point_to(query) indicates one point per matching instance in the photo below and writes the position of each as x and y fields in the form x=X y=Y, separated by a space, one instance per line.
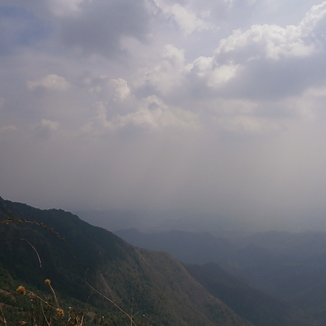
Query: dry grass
x=49 y=312
x=44 y=311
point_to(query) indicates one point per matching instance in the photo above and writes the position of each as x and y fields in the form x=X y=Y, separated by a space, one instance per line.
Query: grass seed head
x=21 y=290
x=32 y=295
x=60 y=312
x=22 y=323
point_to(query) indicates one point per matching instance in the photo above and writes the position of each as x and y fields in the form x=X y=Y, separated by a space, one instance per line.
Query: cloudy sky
x=202 y=106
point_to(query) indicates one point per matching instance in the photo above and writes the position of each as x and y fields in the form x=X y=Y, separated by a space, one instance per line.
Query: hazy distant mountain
x=188 y=247
x=169 y=220
x=246 y=301
x=286 y=266
x=134 y=278
x=174 y=220
x=114 y=219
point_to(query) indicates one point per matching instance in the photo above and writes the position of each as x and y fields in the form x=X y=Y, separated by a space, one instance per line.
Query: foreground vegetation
x=151 y=287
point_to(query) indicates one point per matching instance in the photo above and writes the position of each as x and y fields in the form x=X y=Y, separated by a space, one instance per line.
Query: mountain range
x=162 y=278
x=72 y=253
x=287 y=267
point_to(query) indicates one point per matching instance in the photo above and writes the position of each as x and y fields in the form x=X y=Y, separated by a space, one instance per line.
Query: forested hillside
x=279 y=270
x=152 y=285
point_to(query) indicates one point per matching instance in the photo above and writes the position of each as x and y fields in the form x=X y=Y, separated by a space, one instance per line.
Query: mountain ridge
x=289 y=267
x=135 y=278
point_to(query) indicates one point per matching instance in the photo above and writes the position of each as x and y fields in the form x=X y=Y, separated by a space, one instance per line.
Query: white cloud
x=174 y=56
x=64 y=7
x=318 y=92
x=248 y=124
x=117 y=88
x=186 y=18
x=239 y=62
x=272 y=41
x=145 y=86
x=200 y=65
x=215 y=76
x=168 y=74
x=230 y=2
x=46 y=128
x=264 y=41
x=151 y=115
x=122 y=90
x=7 y=129
x=95 y=85
x=313 y=17
x=51 y=82
x=310 y=105
x=221 y=75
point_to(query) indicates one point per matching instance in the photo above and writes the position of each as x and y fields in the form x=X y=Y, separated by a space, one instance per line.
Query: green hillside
x=152 y=285
x=282 y=274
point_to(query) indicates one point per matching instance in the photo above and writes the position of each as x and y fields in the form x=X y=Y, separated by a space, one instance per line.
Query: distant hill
x=246 y=301
x=188 y=247
x=290 y=267
x=151 y=283
x=168 y=220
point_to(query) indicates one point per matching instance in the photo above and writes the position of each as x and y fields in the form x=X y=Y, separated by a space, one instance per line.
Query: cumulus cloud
x=248 y=125
x=213 y=75
x=184 y=17
x=93 y=84
x=318 y=92
x=63 y=8
x=255 y=63
x=7 y=129
x=272 y=41
x=50 y=82
x=151 y=115
x=266 y=41
x=310 y=104
x=46 y=129
x=168 y=75
x=121 y=88
x=195 y=105
x=265 y=60
x=315 y=16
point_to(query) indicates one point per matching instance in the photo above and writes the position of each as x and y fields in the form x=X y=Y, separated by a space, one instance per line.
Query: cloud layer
x=214 y=106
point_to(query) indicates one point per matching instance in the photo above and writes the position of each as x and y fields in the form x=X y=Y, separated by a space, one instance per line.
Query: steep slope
x=286 y=267
x=255 y=306
x=150 y=283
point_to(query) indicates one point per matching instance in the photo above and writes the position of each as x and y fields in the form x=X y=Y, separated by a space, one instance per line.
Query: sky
x=213 y=106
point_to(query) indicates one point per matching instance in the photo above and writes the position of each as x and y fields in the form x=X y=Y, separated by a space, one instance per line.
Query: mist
x=166 y=110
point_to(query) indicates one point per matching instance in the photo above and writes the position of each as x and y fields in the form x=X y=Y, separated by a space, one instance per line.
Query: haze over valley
x=267 y=278
x=195 y=107
x=178 y=146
